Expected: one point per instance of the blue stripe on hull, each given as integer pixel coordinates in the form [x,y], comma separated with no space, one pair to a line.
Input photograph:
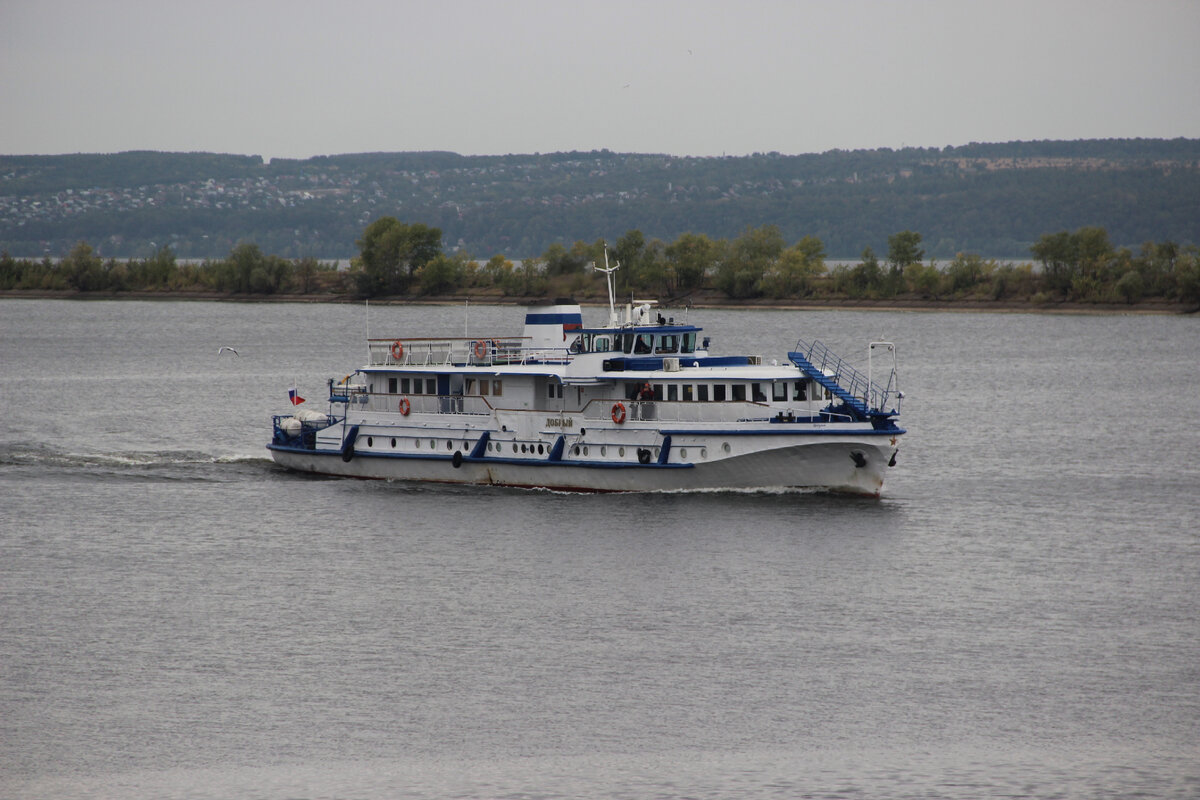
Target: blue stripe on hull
[524,462]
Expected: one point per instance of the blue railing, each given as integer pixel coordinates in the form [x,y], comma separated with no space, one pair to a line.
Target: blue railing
[847,383]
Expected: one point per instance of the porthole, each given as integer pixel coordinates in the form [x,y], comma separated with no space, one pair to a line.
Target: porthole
[514,447]
[432,444]
[370,441]
[656,453]
[585,450]
[621,452]
[603,450]
[725,447]
[465,446]
[449,445]
[576,450]
[683,452]
[393,444]
[522,448]
[704,452]
[540,451]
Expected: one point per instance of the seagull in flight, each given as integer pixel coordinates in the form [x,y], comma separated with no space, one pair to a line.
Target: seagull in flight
[230,349]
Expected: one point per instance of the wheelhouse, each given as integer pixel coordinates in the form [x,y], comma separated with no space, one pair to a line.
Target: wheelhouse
[657,340]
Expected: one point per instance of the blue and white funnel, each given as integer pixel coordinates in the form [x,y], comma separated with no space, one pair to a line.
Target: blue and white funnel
[548,326]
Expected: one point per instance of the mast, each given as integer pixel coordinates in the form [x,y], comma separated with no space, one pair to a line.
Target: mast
[613,320]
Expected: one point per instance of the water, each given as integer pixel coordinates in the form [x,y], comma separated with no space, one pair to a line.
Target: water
[1017,616]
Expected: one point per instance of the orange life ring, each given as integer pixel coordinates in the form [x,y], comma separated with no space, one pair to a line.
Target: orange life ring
[405,406]
[397,350]
[618,413]
[480,348]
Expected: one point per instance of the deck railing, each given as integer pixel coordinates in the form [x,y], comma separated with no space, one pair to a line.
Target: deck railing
[854,385]
[678,411]
[477,351]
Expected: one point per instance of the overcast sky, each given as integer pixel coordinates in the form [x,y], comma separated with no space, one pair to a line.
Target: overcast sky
[295,79]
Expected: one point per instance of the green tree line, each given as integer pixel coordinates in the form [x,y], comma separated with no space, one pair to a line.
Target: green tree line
[398,259]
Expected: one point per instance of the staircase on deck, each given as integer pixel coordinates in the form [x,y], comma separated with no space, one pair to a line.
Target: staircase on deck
[858,393]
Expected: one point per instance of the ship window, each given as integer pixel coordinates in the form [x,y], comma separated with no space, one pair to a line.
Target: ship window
[779,390]
[668,344]
[392,385]
[688,343]
[431,386]
[759,395]
[672,392]
[601,344]
[801,392]
[702,392]
[688,393]
[739,392]
[719,392]
[643,343]
[469,386]
[626,342]
[404,386]
[483,387]
[658,392]
[496,388]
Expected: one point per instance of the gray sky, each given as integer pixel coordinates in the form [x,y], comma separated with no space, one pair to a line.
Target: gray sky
[295,79]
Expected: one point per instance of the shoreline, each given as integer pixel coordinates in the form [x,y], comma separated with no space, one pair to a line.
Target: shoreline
[704,301]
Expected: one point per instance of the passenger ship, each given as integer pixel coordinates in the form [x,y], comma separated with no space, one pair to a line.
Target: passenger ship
[639,404]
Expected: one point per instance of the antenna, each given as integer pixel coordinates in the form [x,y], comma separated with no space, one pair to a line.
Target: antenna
[608,271]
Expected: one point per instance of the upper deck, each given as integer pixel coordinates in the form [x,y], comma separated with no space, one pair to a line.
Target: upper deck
[637,341]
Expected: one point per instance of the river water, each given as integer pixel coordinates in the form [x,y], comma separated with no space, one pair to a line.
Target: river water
[1018,615]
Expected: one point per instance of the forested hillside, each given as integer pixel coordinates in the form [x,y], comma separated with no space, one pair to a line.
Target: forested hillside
[991,199]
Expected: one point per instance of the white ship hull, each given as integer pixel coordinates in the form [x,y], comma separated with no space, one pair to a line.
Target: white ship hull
[794,460]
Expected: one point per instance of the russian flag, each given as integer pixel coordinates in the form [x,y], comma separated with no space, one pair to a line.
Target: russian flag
[294,396]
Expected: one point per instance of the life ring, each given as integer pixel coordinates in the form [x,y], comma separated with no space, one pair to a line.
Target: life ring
[480,348]
[618,413]
[397,350]
[405,406]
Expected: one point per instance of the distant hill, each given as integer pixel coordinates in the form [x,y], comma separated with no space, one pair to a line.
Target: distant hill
[992,199]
